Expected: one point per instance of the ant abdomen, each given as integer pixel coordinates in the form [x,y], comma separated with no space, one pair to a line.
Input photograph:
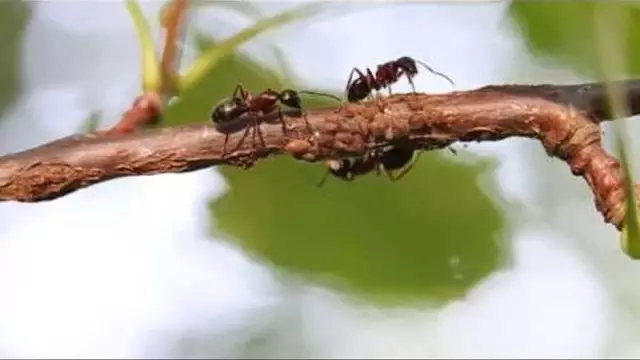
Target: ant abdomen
[396,157]
[358,90]
[228,114]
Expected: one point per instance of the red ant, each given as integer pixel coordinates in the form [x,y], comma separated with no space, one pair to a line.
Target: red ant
[386,74]
[396,157]
[388,160]
[248,111]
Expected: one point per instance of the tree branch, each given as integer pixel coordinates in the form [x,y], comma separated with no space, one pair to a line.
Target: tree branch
[426,121]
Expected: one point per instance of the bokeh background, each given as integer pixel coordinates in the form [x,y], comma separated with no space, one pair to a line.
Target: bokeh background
[497,251]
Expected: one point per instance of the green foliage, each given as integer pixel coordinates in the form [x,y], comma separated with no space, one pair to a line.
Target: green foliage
[209,58]
[566,31]
[630,236]
[92,122]
[428,237]
[596,38]
[245,8]
[151,75]
[14,17]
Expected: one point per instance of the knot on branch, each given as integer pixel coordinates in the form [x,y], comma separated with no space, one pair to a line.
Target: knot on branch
[146,110]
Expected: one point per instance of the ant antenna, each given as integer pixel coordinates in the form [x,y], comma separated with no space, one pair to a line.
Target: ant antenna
[320,94]
[431,70]
[324,179]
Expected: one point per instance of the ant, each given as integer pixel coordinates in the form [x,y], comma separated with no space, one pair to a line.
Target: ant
[388,160]
[386,74]
[247,111]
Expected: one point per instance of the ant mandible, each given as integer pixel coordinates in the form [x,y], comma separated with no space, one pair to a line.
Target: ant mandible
[248,111]
[386,74]
[381,160]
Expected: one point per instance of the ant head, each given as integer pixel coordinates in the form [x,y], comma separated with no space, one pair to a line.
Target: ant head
[408,64]
[291,98]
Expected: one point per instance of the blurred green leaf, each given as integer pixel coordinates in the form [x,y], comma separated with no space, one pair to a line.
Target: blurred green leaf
[564,31]
[151,73]
[14,17]
[92,122]
[245,8]
[283,67]
[630,236]
[213,55]
[430,236]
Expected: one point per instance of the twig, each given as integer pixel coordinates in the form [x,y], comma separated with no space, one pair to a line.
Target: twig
[427,121]
[147,109]
[173,21]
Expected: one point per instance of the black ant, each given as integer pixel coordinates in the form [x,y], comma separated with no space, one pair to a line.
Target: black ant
[388,160]
[248,111]
[385,75]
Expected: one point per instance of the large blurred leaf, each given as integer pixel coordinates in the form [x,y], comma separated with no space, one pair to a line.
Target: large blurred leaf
[566,31]
[14,16]
[430,236]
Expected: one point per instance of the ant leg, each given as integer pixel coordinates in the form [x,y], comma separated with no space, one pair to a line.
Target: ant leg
[413,86]
[381,169]
[380,104]
[282,122]
[243,138]
[253,135]
[379,101]
[307,123]
[452,150]
[404,171]
[257,130]
[324,179]
[224,146]
[346,89]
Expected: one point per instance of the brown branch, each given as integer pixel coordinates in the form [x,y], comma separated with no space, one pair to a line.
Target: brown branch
[427,121]
[592,98]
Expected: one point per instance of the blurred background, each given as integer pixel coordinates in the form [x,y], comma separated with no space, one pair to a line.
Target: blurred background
[498,251]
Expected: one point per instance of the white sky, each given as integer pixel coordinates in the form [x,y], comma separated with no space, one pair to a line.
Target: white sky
[126,267]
